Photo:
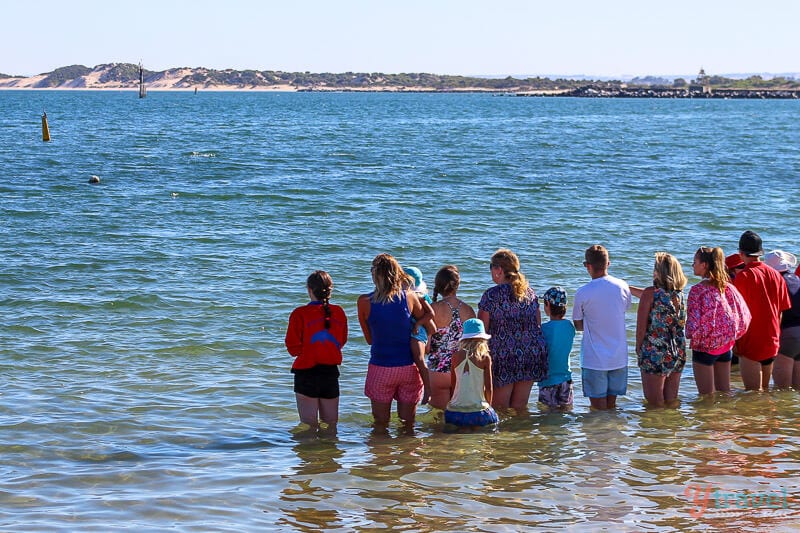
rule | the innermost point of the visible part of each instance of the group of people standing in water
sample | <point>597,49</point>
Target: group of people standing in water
<point>440,351</point>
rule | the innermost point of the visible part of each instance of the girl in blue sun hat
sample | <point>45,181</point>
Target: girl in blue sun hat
<point>471,375</point>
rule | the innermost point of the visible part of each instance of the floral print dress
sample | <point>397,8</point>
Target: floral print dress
<point>517,345</point>
<point>663,349</point>
<point>444,342</point>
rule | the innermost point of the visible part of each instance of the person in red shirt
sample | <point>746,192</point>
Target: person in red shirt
<point>765,293</point>
<point>315,336</point>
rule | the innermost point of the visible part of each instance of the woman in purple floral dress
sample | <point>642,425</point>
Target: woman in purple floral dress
<point>510,311</point>
<point>660,336</point>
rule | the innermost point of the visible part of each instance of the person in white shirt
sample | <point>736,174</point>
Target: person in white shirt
<point>599,311</point>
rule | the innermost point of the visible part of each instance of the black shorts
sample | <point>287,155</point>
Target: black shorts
<point>321,381</point>
<point>764,362</point>
<point>790,342</point>
<point>707,359</point>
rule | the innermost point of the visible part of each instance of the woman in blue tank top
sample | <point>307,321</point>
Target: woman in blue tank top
<point>385,316</point>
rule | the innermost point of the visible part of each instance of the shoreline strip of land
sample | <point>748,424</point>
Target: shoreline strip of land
<point>125,77</point>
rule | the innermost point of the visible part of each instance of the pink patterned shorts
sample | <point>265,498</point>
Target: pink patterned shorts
<point>387,383</point>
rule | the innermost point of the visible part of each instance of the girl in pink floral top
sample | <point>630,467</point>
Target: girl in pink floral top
<point>716,316</point>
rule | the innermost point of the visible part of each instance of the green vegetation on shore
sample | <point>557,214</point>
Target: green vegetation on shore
<point>64,75</point>
<point>127,74</point>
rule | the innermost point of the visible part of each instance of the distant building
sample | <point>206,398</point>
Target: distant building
<point>702,82</point>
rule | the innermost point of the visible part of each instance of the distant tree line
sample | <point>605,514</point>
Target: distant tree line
<point>128,74</point>
<point>720,82</point>
<point>365,80</point>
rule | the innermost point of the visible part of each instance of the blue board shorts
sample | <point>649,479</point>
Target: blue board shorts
<point>602,383</point>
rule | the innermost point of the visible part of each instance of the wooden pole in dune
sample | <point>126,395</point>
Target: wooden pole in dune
<point>45,127</point>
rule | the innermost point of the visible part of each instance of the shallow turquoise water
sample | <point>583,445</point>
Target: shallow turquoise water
<point>145,383</point>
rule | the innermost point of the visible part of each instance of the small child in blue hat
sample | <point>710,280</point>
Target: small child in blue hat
<point>559,333</point>
<point>419,332</point>
<point>471,375</point>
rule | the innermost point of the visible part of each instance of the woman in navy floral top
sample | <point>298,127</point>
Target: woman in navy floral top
<point>510,311</point>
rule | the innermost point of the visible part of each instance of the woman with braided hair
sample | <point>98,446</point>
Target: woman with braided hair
<point>449,315</point>
<point>315,336</point>
<point>510,311</point>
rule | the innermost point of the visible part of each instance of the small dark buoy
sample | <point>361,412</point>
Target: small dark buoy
<point>45,127</point>
<point>94,180</point>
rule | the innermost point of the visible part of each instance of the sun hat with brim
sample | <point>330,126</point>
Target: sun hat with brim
<point>780,260</point>
<point>416,276</point>
<point>473,329</point>
<point>733,261</point>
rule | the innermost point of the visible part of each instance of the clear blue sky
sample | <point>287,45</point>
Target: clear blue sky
<point>596,38</point>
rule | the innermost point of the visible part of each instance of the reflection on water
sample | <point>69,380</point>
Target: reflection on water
<point>638,468</point>
<point>228,460</point>
<point>305,500</point>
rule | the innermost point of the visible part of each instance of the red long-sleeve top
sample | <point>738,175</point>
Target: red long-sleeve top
<point>309,342</point>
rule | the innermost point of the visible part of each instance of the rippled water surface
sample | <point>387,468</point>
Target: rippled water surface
<point>144,380</point>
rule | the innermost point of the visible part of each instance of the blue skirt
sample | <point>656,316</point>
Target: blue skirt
<point>483,417</point>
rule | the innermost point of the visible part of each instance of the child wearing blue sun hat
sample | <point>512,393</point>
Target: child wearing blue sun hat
<point>471,374</point>
<point>559,333</point>
<point>419,331</point>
